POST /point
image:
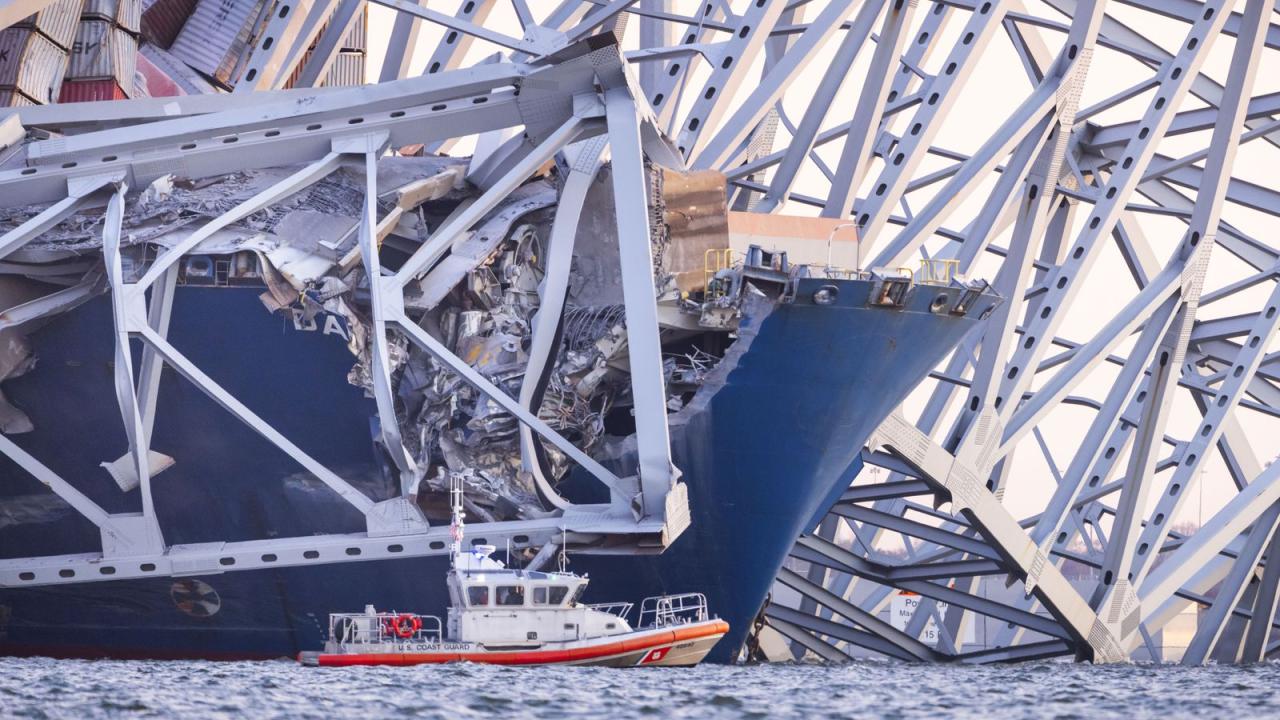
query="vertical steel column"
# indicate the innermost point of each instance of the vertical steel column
(379, 357)
(644, 348)
(128, 309)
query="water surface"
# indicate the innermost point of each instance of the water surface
(43, 688)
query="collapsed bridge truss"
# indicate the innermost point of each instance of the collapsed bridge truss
(1104, 162)
(578, 105)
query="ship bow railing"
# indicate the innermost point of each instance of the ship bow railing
(666, 610)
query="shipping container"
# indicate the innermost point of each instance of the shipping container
(103, 52)
(357, 38)
(13, 98)
(91, 91)
(217, 36)
(57, 21)
(347, 70)
(152, 81)
(163, 20)
(190, 81)
(125, 13)
(31, 63)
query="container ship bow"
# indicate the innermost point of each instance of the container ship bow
(247, 351)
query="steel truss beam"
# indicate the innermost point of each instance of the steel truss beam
(1065, 189)
(1047, 196)
(594, 97)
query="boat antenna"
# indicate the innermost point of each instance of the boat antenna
(563, 543)
(456, 521)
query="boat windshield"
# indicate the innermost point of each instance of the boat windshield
(553, 595)
(577, 594)
(478, 595)
(510, 595)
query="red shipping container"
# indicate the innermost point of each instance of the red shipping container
(153, 82)
(90, 91)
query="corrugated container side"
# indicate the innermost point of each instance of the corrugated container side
(152, 81)
(216, 35)
(163, 20)
(357, 38)
(13, 98)
(124, 51)
(190, 81)
(90, 91)
(102, 51)
(57, 21)
(30, 62)
(347, 70)
(125, 13)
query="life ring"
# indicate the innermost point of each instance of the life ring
(406, 625)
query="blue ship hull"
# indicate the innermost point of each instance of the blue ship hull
(761, 455)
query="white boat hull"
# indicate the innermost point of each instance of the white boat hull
(679, 645)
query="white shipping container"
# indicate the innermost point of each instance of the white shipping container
(217, 35)
(57, 21)
(347, 70)
(357, 37)
(125, 13)
(31, 63)
(102, 51)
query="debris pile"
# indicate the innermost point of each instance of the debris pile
(479, 301)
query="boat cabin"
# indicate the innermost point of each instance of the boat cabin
(506, 607)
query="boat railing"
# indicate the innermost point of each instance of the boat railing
(842, 273)
(621, 609)
(355, 628)
(664, 610)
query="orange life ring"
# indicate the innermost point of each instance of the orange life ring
(405, 625)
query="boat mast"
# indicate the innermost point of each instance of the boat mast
(456, 524)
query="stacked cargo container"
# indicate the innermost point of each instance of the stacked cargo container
(162, 20)
(33, 54)
(85, 50)
(217, 38)
(104, 57)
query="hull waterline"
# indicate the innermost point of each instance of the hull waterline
(760, 453)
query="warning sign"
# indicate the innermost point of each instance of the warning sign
(904, 606)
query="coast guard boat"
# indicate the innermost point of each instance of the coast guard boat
(506, 616)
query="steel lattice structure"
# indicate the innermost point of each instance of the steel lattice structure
(1061, 184)
(1095, 151)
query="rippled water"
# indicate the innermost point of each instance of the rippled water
(43, 688)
